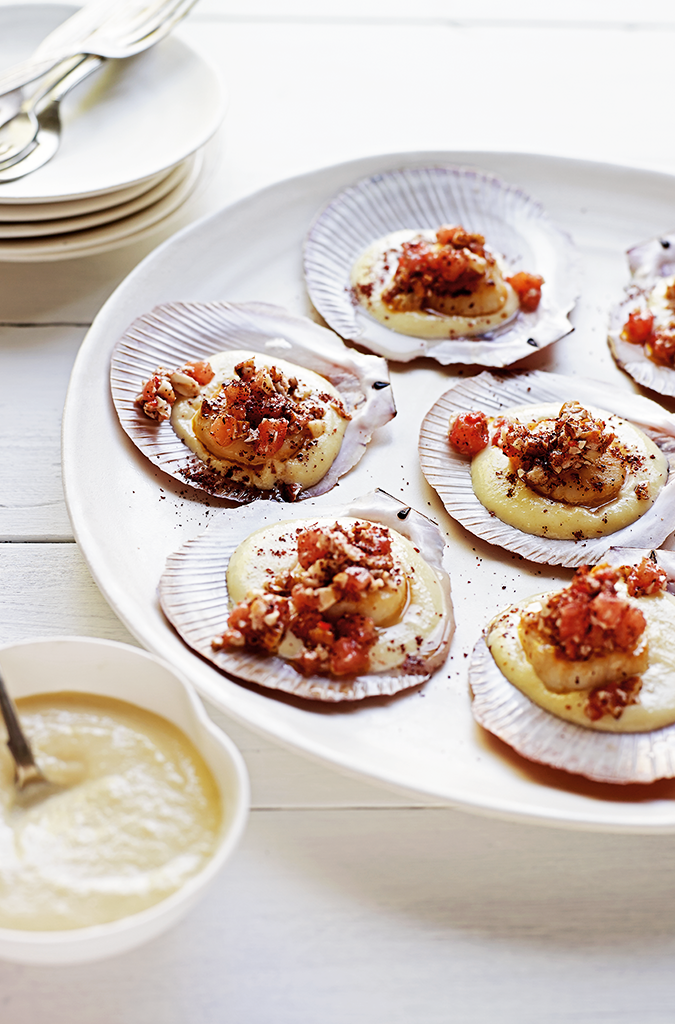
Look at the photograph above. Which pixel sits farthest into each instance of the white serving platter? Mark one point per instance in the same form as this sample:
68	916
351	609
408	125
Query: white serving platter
128	517
127	122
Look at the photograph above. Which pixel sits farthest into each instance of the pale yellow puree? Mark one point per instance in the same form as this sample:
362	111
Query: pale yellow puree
307	466
411	616
141	814
512	501
655	706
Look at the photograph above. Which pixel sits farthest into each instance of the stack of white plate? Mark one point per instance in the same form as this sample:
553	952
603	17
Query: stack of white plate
130	153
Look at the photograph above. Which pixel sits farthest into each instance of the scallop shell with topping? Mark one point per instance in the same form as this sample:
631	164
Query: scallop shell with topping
538	735
517	231
450	473
652	267
176	333
195	598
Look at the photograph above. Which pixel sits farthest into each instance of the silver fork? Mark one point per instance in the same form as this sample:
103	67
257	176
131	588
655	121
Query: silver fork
126	32
37	123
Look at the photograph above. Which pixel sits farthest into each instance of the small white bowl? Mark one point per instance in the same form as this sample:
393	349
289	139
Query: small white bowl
111	669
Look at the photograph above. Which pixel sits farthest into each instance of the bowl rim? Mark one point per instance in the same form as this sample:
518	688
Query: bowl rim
230	833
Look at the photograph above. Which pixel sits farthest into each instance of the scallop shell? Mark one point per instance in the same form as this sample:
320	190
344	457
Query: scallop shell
174	333
653	259
647	262
450	474
515	226
623	758
193	594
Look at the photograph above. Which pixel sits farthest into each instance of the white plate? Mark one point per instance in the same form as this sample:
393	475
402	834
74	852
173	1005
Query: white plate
129	121
94	240
65	225
129	517
15	210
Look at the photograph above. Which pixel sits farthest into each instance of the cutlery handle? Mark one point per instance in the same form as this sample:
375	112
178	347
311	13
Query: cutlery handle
19	746
51	81
67	40
72	72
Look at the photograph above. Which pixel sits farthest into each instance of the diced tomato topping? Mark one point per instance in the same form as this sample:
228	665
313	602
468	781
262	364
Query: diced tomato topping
236	395
646	578
528	289
271	436
222	430
638	326
348	657
589	618
149	390
200	371
612	698
660	347
469	433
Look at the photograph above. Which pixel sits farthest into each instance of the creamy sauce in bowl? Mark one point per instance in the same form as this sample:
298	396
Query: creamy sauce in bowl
140	814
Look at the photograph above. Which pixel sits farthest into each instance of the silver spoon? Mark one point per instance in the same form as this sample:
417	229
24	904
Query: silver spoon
41	142
31	783
17	134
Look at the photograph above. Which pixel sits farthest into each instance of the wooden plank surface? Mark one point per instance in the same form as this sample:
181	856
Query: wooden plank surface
394	917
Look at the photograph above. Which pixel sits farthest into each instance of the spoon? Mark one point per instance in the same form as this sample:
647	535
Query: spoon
31	138
32	786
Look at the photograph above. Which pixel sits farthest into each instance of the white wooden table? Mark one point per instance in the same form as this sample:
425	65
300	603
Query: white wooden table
346	902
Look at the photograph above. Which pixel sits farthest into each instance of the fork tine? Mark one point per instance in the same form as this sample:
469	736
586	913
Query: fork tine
93	17
138	26
175	12
126	31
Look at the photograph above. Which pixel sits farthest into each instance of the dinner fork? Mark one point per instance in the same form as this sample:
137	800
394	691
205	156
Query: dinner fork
122	34
37	125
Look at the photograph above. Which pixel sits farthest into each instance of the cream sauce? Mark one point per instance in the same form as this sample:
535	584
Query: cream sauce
419	614
512	501
140	815
377	267
659	304
656	701
307	466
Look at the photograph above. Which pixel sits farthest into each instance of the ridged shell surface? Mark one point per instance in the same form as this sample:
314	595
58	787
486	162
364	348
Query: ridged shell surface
450	474
194	597
539	736
623	758
648	263
515	227
176	332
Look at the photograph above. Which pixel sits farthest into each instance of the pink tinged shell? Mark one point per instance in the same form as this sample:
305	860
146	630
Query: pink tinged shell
651	260
450	474
623	758
193	595
514	225
176	332
539	736
648	262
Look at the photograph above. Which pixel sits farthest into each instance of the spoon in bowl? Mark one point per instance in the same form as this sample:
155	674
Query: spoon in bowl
32	786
